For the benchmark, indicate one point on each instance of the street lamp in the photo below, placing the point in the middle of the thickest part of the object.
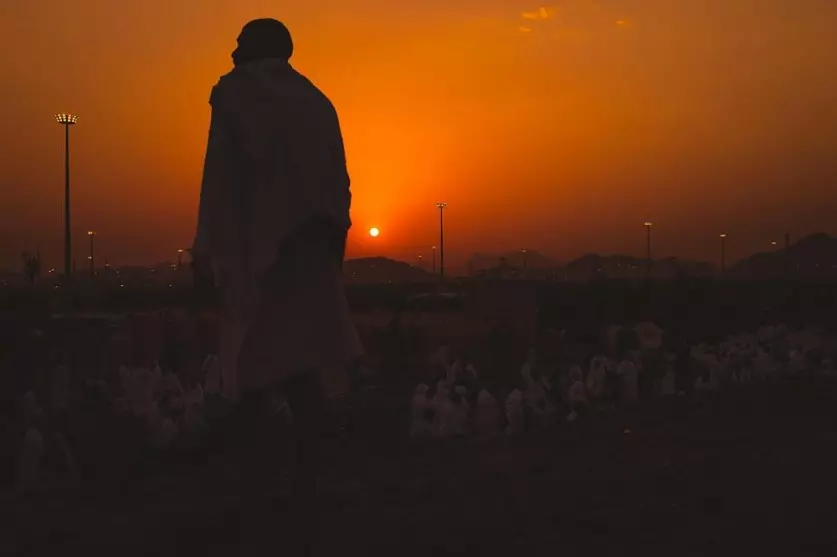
(434, 260)
(179, 259)
(648, 226)
(91, 235)
(67, 120)
(441, 205)
(723, 253)
(524, 252)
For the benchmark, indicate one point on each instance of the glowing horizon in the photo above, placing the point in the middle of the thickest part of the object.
(560, 126)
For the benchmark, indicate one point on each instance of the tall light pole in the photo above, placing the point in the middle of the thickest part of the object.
(92, 235)
(525, 258)
(434, 260)
(179, 259)
(723, 253)
(648, 226)
(67, 120)
(441, 205)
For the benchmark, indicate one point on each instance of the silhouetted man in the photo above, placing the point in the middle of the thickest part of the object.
(273, 219)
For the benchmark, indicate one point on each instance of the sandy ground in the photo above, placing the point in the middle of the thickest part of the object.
(751, 473)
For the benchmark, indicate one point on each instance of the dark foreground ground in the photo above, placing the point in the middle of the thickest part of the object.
(751, 474)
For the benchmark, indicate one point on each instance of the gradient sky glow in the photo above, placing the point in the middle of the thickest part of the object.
(558, 127)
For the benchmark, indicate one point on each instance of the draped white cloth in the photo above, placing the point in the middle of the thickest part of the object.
(442, 357)
(649, 334)
(165, 433)
(577, 394)
(212, 371)
(451, 417)
(421, 426)
(458, 423)
(514, 412)
(461, 370)
(171, 385)
(487, 415)
(30, 460)
(597, 377)
(527, 371)
(141, 393)
(31, 407)
(668, 383)
(629, 377)
(60, 388)
(796, 365)
(192, 402)
(611, 335)
(275, 160)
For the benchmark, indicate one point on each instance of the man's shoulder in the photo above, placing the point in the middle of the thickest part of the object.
(313, 89)
(231, 77)
(226, 83)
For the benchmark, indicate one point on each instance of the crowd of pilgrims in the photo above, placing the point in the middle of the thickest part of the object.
(457, 402)
(169, 401)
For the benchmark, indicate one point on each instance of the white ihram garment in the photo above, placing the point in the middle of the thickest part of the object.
(577, 393)
(30, 459)
(212, 375)
(421, 426)
(597, 378)
(275, 161)
(629, 376)
(487, 416)
(668, 384)
(514, 412)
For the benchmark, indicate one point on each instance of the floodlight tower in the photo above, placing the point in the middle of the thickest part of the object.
(67, 120)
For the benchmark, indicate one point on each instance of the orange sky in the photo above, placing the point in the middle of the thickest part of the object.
(559, 129)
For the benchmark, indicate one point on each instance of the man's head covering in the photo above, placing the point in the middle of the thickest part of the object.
(263, 38)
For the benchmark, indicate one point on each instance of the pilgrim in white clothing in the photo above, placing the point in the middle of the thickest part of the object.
(629, 381)
(597, 377)
(514, 412)
(487, 415)
(273, 218)
(272, 226)
(421, 427)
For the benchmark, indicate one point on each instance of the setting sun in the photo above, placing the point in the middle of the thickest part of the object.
(439, 101)
(374, 232)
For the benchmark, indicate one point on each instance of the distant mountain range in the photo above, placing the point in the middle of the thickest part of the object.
(626, 266)
(523, 259)
(367, 270)
(811, 256)
(814, 255)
